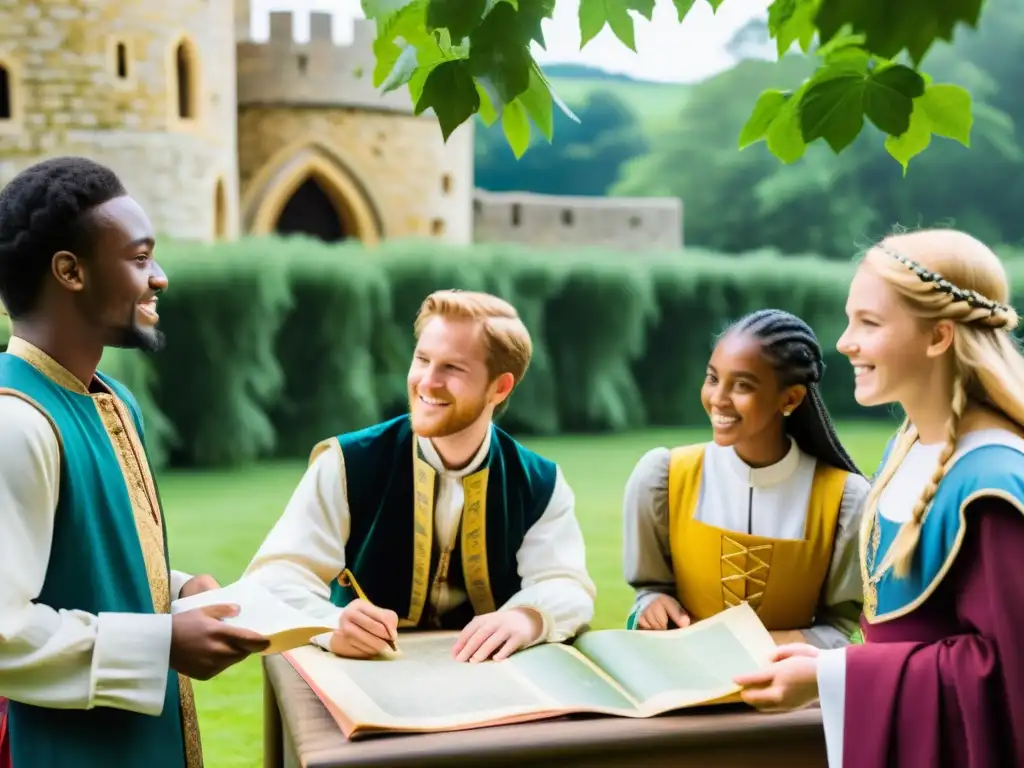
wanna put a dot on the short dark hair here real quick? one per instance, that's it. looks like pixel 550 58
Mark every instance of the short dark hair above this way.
pixel 43 210
pixel 791 347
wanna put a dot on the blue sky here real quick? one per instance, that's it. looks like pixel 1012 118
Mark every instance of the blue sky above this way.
pixel 696 48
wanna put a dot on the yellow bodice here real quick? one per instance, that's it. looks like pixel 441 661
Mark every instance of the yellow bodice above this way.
pixel 715 569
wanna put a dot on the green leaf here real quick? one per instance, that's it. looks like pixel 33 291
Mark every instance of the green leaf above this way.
pixel 403 71
pixel 487 111
pixel 529 18
pixel 838 45
pixel 784 139
pixel 766 110
pixel 503 58
pixel 450 92
pixel 417 82
pixel 715 4
pixel 375 9
pixel 644 7
pixel 409 26
pixel 833 109
pixel 948 108
pixel 891 27
pixel 492 3
pixel 682 8
pixel 791 21
pixel 459 17
pixel 913 141
pixel 943 110
pixel 516 125
pixel 837 101
pixel 889 97
pixel 554 94
pixel 594 14
pixel 536 99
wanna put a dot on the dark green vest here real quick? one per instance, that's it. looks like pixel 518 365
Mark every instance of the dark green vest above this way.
pixel 96 565
pixel 379 552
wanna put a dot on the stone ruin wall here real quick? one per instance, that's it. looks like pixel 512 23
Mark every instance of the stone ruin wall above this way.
pixel 628 224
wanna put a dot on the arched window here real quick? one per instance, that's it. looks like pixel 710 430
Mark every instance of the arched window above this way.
pixel 121 60
pixel 6 95
pixel 185 74
pixel 220 211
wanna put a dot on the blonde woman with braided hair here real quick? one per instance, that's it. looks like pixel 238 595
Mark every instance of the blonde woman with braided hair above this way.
pixel 939 680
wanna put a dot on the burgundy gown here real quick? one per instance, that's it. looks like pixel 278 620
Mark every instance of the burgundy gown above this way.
pixel 5 742
pixel 943 686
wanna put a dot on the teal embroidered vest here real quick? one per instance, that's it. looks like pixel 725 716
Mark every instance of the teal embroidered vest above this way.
pixel 391 550
pixel 987 470
pixel 95 565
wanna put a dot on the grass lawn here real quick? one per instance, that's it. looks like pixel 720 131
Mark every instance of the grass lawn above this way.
pixel 218 520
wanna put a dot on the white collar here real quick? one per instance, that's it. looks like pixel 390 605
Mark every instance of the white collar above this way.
pixel 432 458
pixel 773 474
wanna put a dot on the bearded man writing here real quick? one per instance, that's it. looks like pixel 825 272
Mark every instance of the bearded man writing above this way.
pixel 438 518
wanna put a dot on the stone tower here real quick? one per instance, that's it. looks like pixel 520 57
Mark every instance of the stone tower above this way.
pixel 322 151
pixel 144 86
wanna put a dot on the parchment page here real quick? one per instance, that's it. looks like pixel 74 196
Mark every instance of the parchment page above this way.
pixel 682 667
pixel 424 688
pixel 259 611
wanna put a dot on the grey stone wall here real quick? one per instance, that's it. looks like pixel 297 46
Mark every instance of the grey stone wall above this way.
pixel 630 224
pixel 72 99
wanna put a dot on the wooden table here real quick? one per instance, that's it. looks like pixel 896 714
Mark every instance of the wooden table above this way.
pixel 298 731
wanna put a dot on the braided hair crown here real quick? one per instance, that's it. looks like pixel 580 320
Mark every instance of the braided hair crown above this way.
pixel 948 274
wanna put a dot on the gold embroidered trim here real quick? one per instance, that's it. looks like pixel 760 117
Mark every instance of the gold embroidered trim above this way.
pixel 954 550
pixel 46 365
pixel 745 583
pixel 474 542
pixel 424 487
pixel 142 494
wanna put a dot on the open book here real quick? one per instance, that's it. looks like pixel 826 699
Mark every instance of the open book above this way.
pixel 627 673
pixel 261 612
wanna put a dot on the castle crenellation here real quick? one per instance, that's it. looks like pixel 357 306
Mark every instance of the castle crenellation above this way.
pixel 319 72
pixel 218 134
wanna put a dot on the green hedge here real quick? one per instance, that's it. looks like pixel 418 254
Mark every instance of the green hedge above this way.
pixel 274 344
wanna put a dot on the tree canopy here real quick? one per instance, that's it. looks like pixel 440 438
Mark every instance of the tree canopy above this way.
pixel 459 58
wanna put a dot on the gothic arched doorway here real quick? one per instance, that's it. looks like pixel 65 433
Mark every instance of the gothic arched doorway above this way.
pixel 309 190
pixel 310 211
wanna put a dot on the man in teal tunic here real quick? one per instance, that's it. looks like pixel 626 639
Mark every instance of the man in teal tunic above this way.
pixel 95 669
pixel 437 518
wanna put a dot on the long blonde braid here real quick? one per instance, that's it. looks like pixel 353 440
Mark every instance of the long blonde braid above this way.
pixel 905 437
pixel 901 553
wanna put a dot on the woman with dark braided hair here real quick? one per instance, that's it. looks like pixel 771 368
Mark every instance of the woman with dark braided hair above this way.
pixel 767 513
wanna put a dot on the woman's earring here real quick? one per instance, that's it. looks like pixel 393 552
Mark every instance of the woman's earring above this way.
pixel 786 413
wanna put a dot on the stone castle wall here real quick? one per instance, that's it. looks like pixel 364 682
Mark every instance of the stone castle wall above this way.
pixel 629 224
pixel 98 78
pixel 282 71
pixel 299 101
pixel 417 184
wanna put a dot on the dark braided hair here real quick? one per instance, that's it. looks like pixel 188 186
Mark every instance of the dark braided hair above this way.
pixel 793 351
pixel 43 210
